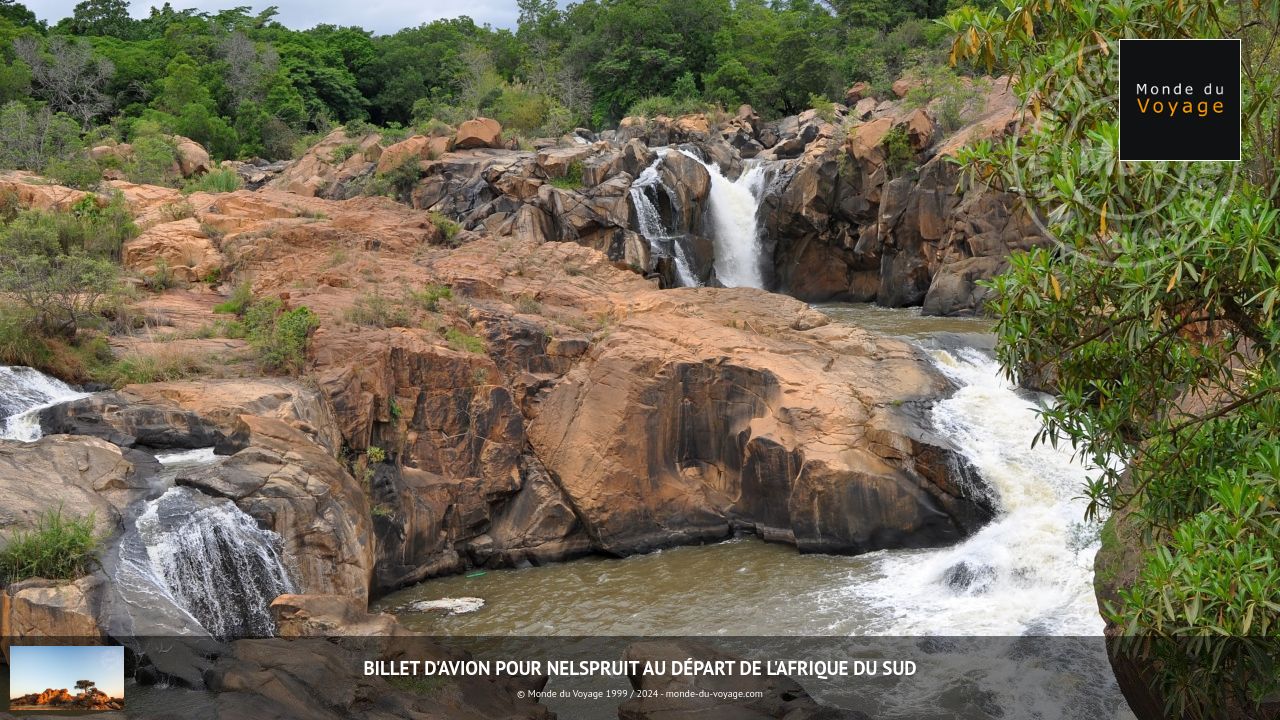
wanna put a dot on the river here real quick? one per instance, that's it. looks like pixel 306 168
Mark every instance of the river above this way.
pixel 1025 577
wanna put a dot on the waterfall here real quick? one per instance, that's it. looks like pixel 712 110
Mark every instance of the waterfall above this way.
pixel 24 392
pixel 215 561
pixel 662 242
pixel 1030 571
pixel 736 232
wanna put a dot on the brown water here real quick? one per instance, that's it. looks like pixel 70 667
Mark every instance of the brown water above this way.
pixel 741 587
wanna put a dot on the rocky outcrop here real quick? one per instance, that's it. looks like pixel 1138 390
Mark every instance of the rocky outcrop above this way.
pixel 478 132
pixel 330 164
pixel 849 225
pixel 706 411
pixel 81 475
pixel 183 248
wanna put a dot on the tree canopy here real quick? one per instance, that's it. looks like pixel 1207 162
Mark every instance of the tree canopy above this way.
pixel 1154 316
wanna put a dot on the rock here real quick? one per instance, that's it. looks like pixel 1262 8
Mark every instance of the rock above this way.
pixel 322 171
pixel 183 246
pixel 190 157
pixel 330 616
pixel 118 153
pixel 40 611
pixel 955 289
pixel 478 132
pixel 863 108
pixel 730 696
pixel 80 475
pixel 555 162
pixel 699 435
pixel 30 193
pixel 856 93
pixel 904 85
pixel 447 606
pixel 921 129
pixel 310 500
pixel 418 147
pixel 691 125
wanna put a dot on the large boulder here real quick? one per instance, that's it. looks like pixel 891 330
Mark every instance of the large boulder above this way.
pixel 39 611
pixel 182 246
pixel 190 157
pixel 955 289
pixel 418 147
pixel 82 476
pixel 706 410
pixel 480 132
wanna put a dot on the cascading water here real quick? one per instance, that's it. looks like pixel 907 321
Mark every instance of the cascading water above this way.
pixel 215 561
pixel 662 242
pixel 735 225
pixel 1030 571
pixel 24 392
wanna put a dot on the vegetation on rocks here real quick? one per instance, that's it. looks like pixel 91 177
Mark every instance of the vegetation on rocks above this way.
pixel 1156 315
pixel 54 547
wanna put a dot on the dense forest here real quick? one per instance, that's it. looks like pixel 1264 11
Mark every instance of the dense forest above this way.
pixel 244 85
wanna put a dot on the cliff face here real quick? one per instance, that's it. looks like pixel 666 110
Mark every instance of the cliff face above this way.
pixel 859 204
pixel 522 391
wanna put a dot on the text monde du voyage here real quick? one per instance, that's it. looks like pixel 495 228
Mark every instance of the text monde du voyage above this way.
pixel 1180 99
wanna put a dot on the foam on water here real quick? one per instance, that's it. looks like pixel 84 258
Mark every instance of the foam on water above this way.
pixel 24 392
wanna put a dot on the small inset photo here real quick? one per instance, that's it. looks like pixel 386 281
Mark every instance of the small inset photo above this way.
pixel 66 679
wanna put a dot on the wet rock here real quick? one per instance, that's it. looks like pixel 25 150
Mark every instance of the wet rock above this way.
pixel 955 289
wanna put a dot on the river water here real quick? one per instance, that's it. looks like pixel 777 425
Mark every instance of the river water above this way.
pixel 1028 572
pixel 1024 578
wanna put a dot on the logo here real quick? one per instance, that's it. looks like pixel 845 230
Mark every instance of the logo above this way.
pixel 1179 100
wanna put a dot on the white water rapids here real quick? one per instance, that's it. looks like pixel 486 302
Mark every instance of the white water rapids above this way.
pixel 24 392
pixel 1030 571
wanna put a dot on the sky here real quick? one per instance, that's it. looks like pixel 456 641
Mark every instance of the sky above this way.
pixel 36 669
pixel 381 16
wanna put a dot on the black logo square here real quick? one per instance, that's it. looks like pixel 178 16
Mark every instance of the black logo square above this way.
pixel 1180 100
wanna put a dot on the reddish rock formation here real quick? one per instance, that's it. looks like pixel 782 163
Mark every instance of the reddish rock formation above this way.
pixel 478 132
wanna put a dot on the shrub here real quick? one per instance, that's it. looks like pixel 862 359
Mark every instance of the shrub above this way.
pixel 177 210
pixel 572 178
pixel 377 310
pixel 447 227
pixel 240 300
pixel 824 107
pixel 153 159
pixel 161 278
pixel 376 454
pixel 464 342
pixel 76 170
pixel 57 288
pixel 656 105
pixel 401 179
pixel 343 152
pixel 899 157
pixel 279 338
pixel 214 181
pixel 163 367
pixel 430 296
pixel 57 547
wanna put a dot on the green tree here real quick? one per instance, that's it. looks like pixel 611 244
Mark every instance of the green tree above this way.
pixel 1155 317
pixel 101 17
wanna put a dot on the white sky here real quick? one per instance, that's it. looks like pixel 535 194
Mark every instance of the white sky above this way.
pixel 381 16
